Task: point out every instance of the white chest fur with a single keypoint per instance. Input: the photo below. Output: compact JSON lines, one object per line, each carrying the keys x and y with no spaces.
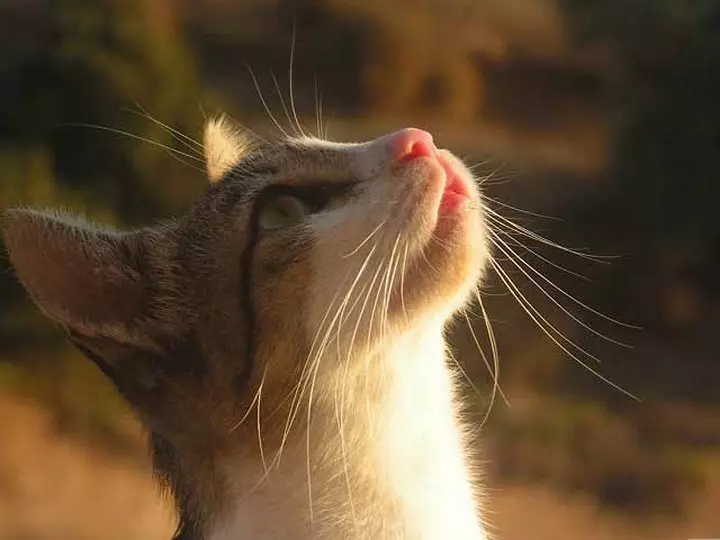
{"x":386,"y":460}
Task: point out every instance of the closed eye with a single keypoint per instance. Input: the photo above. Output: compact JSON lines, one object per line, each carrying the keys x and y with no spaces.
{"x":279,"y":206}
{"x":280,"y":212}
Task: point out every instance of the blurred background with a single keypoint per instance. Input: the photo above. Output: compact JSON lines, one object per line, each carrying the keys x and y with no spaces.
{"x":602,"y":114}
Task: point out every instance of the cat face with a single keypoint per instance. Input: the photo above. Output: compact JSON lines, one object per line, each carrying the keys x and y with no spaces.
{"x":352,"y":239}
{"x":300,"y":249}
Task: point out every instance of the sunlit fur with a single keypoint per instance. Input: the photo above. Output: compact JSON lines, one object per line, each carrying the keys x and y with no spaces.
{"x":295,"y":384}
{"x":375,"y":449}
{"x":224,"y":146}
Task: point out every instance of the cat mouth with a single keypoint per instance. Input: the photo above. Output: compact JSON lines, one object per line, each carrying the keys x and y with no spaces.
{"x":457,"y":194}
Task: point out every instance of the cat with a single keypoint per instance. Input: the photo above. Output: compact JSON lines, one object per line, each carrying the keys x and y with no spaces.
{"x":283,"y":341}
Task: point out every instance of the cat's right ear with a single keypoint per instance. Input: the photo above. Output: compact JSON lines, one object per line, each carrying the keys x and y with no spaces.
{"x":92,"y":282}
{"x":225,"y":145}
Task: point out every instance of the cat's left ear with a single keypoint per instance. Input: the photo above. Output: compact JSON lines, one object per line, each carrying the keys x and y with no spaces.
{"x":92,"y":282}
{"x":225,"y":145}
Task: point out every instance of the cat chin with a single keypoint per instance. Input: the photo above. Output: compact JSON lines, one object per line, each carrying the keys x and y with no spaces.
{"x":445,"y":272}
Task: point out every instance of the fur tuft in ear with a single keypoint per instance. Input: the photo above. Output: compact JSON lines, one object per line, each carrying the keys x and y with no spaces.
{"x":90,"y":281}
{"x":225,"y":145}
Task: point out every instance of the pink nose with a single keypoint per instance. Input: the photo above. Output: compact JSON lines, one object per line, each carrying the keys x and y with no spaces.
{"x":411,"y":143}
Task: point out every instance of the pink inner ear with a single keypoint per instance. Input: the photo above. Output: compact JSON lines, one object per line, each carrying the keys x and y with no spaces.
{"x":77,"y":277}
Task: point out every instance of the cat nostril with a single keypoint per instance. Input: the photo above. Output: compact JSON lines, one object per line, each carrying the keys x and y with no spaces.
{"x":419,"y":149}
{"x":412,"y":143}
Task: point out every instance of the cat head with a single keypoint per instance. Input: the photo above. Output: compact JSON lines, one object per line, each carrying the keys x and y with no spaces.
{"x":300,"y":248}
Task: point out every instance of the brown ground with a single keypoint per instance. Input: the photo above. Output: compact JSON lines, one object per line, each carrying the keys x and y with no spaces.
{"x":55,"y":488}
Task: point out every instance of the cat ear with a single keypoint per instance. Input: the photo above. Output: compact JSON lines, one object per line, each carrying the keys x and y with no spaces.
{"x":90,"y":281}
{"x":225,"y":145}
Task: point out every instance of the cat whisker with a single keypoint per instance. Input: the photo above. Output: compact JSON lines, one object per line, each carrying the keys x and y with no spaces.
{"x":501,"y":220}
{"x":442,"y":243}
{"x":513,"y":238}
{"x":390,"y":288}
{"x":318,"y":357}
{"x":495,"y":232}
{"x":324,"y":129}
{"x":339,"y":417}
{"x":540,"y":321}
{"x":475,"y":165}
{"x":173,"y":152}
{"x":264,"y":103}
{"x":318,"y":117}
{"x":493,"y":178}
{"x":493,"y":344}
{"x":284,"y":106}
{"x":493,"y":369}
{"x":366,"y":239}
{"x":484,"y":163}
{"x":383,"y":269}
{"x":467,"y":377}
{"x":392,"y":269}
{"x":520,"y":210}
{"x":427,"y":261}
{"x":402,"y":282}
{"x":291,"y":77}
{"x":301,"y":384}
{"x":188,"y":142}
{"x":254,"y":134}
{"x":249,"y":409}
{"x":327,"y":125}
{"x":340,"y":413}
{"x":384,"y":293}
{"x":352,"y":288}
{"x":307,"y":438}
{"x":299,"y":387}
{"x":360,"y":271}
{"x":259,"y":428}
{"x":492,"y":175}
{"x":519,"y":263}
{"x":309,"y":376}
{"x":557,"y":332}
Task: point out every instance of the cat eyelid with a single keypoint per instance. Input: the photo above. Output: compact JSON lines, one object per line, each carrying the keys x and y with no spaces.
{"x":315,"y":196}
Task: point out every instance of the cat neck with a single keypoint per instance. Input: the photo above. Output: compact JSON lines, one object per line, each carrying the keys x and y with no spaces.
{"x":380,"y":455}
